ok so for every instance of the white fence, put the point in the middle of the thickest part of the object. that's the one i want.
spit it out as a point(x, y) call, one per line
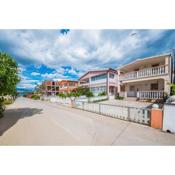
point(138, 115)
point(67, 101)
point(55, 99)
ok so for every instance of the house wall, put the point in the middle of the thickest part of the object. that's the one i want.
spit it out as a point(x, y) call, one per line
point(100, 85)
point(65, 86)
point(50, 88)
point(145, 85)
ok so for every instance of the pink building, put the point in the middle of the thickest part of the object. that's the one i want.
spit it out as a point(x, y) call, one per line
point(99, 81)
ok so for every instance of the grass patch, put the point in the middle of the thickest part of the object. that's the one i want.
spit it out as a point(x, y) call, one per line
point(8, 101)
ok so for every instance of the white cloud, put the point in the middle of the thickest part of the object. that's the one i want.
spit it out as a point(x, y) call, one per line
point(53, 76)
point(35, 73)
point(72, 72)
point(27, 83)
point(82, 49)
point(26, 86)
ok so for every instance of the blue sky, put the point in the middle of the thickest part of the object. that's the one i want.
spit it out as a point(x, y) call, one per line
point(68, 54)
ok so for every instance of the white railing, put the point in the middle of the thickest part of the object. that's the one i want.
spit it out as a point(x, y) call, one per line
point(147, 72)
point(131, 94)
point(84, 84)
point(150, 94)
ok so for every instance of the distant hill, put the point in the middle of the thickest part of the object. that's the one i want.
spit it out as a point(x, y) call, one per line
point(23, 91)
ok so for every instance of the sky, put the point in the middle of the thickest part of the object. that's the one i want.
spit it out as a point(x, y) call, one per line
point(68, 54)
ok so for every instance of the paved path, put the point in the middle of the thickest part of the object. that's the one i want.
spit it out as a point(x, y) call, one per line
point(29, 122)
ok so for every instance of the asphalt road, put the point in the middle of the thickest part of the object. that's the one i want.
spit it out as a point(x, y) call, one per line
point(30, 122)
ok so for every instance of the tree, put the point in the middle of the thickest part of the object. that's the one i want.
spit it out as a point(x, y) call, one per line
point(8, 77)
point(61, 95)
point(73, 95)
point(40, 89)
point(76, 93)
point(89, 94)
point(172, 85)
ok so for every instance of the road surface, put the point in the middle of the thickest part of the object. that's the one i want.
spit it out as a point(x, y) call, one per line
point(30, 122)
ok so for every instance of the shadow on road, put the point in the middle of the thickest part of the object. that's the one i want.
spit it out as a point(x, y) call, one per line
point(11, 116)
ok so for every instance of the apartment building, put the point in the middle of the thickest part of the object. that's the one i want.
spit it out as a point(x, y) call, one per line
point(99, 81)
point(66, 86)
point(146, 78)
point(51, 87)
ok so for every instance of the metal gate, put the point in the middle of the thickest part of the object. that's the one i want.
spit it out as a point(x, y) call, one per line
point(138, 115)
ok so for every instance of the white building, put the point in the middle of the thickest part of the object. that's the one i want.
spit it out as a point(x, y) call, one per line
point(146, 78)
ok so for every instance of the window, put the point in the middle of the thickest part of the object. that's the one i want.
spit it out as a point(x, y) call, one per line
point(111, 75)
point(132, 88)
point(97, 90)
point(99, 77)
point(155, 65)
point(154, 86)
point(71, 84)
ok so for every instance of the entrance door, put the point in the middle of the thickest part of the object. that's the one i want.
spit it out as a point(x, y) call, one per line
point(154, 86)
point(132, 91)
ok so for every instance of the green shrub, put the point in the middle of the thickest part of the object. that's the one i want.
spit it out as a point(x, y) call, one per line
point(2, 106)
point(89, 94)
point(8, 101)
point(35, 97)
point(149, 100)
point(61, 95)
point(119, 98)
point(102, 93)
point(172, 88)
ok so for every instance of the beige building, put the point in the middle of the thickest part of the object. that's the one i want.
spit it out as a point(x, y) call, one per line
point(146, 78)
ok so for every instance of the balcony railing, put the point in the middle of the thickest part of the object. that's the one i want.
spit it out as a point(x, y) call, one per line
point(150, 95)
point(84, 84)
point(143, 95)
point(147, 72)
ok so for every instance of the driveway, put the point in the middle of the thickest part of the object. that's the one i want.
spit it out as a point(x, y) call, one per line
point(137, 104)
point(29, 122)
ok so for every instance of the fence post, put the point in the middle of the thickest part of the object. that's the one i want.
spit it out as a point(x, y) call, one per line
point(99, 108)
point(156, 118)
point(83, 105)
point(129, 113)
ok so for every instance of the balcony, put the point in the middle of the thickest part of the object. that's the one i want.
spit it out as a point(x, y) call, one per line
point(84, 84)
point(144, 73)
point(143, 95)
